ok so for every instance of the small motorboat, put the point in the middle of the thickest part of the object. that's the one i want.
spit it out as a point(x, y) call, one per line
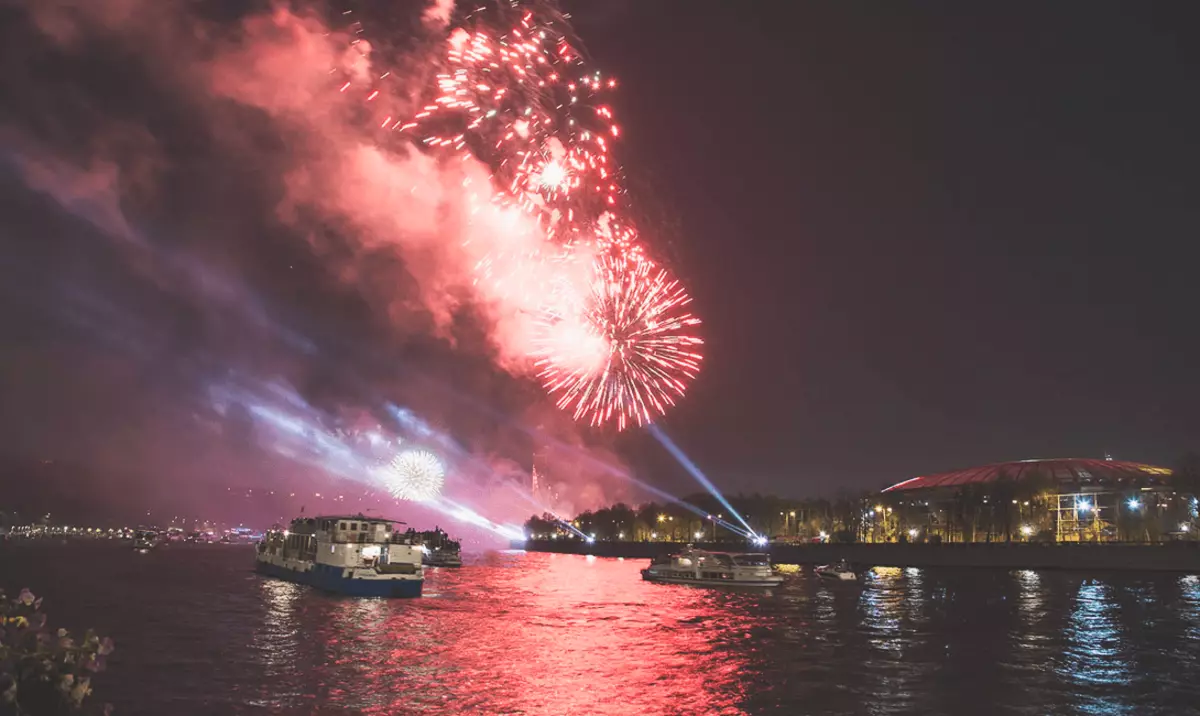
point(713, 569)
point(838, 572)
point(145, 540)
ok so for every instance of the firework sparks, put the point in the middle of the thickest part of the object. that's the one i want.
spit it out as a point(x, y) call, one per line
point(415, 475)
point(632, 354)
point(614, 343)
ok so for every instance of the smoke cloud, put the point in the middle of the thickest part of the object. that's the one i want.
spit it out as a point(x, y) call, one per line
point(246, 218)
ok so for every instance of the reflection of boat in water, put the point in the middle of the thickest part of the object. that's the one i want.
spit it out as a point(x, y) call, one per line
point(694, 566)
point(355, 555)
point(837, 572)
point(145, 540)
point(440, 550)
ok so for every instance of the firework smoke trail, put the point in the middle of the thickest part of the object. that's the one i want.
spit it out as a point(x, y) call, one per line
point(613, 342)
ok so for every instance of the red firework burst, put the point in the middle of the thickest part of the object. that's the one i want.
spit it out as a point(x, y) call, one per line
point(515, 93)
point(629, 353)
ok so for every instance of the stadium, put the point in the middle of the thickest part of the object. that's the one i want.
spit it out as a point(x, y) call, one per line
point(1063, 500)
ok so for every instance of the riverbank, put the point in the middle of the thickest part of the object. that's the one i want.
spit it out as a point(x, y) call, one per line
point(1169, 557)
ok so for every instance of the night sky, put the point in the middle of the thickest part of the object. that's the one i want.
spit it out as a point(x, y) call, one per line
point(920, 238)
point(923, 237)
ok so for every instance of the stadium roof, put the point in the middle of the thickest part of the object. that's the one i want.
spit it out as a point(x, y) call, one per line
point(1081, 470)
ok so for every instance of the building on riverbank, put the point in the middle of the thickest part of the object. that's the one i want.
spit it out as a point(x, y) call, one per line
point(1061, 500)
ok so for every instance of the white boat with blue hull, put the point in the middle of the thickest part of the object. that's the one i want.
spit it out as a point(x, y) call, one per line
point(353, 555)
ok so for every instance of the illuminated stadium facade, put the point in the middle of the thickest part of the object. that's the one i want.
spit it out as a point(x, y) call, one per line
point(1068, 500)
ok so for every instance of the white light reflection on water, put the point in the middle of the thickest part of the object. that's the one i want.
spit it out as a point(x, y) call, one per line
point(1096, 659)
point(1185, 647)
point(882, 607)
point(1189, 588)
point(1031, 606)
point(890, 606)
point(277, 641)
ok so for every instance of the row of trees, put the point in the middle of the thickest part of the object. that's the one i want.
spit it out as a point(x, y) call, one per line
point(1001, 510)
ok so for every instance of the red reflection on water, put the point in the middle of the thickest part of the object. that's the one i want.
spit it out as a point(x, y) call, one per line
point(535, 634)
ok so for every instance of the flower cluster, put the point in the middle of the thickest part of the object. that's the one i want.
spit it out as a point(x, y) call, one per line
point(44, 671)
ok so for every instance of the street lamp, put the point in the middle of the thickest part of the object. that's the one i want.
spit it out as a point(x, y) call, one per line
point(1026, 530)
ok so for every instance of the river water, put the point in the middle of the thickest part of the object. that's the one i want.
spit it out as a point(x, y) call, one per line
point(198, 633)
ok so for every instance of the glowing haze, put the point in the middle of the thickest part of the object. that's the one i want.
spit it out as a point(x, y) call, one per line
point(458, 180)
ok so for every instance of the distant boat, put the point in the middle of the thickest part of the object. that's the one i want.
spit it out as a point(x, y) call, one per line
point(353, 555)
point(713, 569)
point(145, 540)
point(838, 572)
point(439, 549)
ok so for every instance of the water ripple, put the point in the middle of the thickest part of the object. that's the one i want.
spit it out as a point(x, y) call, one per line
point(532, 634)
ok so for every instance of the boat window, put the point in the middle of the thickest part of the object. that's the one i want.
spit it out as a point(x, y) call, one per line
point(354, 526)
point(342, 526)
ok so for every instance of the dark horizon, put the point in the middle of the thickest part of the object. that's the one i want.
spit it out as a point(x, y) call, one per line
point(919, 241)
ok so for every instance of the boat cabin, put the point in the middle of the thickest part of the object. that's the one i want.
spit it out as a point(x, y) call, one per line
point(354, 541)
point(694, 566)
point(707, 565)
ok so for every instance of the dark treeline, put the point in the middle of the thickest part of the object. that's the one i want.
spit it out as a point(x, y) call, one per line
point(1003, 510)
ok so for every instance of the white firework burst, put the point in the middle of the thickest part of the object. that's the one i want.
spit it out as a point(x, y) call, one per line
point(416, 475)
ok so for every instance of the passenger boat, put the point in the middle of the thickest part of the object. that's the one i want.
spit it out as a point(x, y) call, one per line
point(440, 550)
point(839, 572)
point(353, 555)
point(145, 540)
point(694, 566)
